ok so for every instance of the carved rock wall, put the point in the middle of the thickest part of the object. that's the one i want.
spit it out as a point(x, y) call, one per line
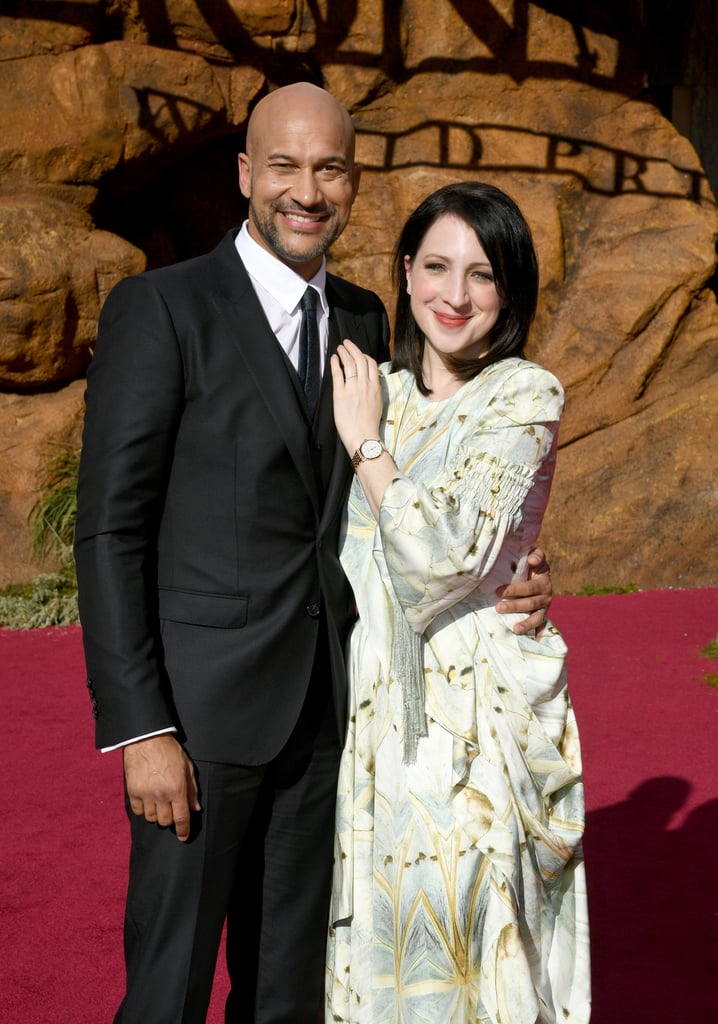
point(119, 129)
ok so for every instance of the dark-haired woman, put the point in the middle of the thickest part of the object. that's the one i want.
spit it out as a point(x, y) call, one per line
point(459, 893)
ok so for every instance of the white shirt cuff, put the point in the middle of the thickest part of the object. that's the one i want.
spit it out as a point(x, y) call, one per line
point(126, 743)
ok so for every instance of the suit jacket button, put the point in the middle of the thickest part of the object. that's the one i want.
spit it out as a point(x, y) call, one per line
point(313, 610)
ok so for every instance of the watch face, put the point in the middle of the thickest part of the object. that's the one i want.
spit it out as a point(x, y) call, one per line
point(371, 449)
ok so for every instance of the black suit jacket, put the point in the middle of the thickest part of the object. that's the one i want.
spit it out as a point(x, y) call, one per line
point(208, 512)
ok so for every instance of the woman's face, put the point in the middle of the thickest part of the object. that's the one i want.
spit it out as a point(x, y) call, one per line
point(452, 291)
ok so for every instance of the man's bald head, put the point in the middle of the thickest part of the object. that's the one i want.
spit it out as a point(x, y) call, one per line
point(297, 101)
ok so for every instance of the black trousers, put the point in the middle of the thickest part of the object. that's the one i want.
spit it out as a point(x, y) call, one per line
point(259, 856)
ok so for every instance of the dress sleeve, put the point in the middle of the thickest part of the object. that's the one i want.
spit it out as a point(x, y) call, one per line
point(442, 539)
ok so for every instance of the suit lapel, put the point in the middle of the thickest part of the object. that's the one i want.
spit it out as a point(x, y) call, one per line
point(276, 382)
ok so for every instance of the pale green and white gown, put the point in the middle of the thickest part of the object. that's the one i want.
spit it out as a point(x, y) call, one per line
point(459, 891)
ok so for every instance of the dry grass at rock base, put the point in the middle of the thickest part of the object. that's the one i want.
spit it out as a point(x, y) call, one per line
point(49, 600)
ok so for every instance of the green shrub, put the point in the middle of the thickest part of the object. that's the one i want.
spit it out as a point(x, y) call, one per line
point(47, 601)
point(591, 591)
point(711, 649)
point(52, 517)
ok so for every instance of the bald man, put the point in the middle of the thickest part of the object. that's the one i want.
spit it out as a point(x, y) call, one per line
point(213, 605)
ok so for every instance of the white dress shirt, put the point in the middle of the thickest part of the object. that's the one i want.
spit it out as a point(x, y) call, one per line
point(279, 290)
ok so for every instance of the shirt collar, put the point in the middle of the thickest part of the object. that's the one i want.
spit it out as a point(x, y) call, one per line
point(285, 285)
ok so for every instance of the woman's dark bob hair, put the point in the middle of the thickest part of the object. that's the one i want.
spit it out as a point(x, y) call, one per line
point(506, 239)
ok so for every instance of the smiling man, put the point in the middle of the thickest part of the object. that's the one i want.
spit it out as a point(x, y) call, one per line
point(213, 604)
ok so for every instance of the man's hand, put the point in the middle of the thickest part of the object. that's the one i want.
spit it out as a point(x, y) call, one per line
point(160, 782)
point(530, 597)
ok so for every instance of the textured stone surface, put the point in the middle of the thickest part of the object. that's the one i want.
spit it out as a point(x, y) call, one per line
point(115, 107)
point(116, 148)
point(55, 271)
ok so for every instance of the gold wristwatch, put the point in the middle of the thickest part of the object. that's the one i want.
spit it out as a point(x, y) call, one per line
point(369, 449)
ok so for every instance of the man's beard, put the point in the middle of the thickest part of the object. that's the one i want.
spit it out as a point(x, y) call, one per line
point(269, 232)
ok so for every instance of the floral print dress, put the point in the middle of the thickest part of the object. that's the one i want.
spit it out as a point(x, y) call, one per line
point(459, 891)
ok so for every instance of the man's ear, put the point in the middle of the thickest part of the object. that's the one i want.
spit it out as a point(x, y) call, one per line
point(245, 175)
point(356, 177)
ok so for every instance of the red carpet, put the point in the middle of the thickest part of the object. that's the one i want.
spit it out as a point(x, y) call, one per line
point(649, 723)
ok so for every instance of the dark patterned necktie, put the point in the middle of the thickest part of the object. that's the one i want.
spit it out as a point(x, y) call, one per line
point(309, 362)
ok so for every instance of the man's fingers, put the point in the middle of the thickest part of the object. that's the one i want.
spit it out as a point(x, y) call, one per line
point(193, 791)
point(189, 802)
point(530, 598)
point(181, 818)
point(522, 606)
point(165, 814)
point(147, 809)
point(536, 621)
point(537, 559)
point(137, 804)
point(526, 590)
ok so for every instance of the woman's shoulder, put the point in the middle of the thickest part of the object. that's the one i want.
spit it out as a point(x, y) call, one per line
point(523, 376)
point(523, 371)
point(517, 380)
point(521, 390)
